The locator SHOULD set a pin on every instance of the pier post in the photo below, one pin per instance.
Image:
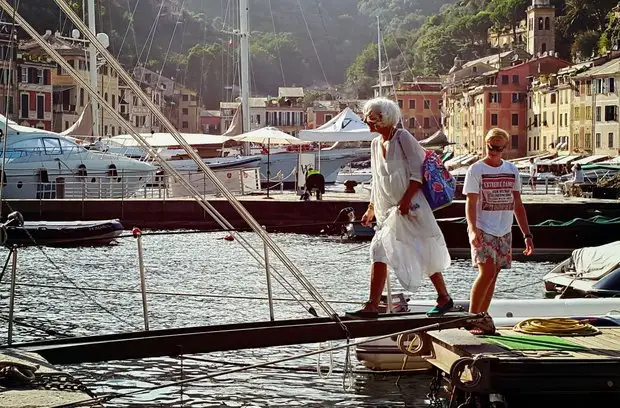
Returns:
(145, 310)
(12, 295)
(269, 295)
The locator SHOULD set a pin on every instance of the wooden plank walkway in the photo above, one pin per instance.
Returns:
(51, 387)
(475, 364)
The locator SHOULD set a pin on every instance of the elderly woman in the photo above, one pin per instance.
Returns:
(396, 162)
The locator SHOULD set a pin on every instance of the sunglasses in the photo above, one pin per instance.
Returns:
(496, 148)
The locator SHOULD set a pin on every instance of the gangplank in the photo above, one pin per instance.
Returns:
(205, 339)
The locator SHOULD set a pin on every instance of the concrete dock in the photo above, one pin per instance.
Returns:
(46, 387)
(284, 212)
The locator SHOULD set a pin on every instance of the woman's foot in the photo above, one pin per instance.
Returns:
(444, 305)
(369, 311)
(483, 326)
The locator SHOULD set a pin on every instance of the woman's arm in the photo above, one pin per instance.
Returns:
(521, 217)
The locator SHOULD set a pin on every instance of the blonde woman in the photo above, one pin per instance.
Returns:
(493, 189)
(396, 163)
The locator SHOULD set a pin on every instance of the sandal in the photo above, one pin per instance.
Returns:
(439, 310)
(363, 313)
(483, 326)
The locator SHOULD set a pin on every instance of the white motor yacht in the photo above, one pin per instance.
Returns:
(41, 164)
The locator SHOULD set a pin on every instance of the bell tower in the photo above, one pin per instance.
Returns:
(540, 27)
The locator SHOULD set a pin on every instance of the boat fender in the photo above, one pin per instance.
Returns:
(136, 232)
(479, 367)
(229, 237)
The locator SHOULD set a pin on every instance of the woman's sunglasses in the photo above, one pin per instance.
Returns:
(496, 148)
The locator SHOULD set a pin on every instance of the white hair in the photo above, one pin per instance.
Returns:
(389, 109)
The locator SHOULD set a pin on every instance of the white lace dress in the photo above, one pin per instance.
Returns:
(413, 245)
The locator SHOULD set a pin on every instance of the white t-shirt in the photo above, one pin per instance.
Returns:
(494, 186)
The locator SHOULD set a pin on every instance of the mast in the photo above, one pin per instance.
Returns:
(379, 49)
(245, 65)
(92, 55)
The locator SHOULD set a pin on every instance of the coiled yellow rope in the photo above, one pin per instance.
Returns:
(556, 327)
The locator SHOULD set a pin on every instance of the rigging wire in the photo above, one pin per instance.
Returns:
(273, 23)
(174, 30)
(312, 41)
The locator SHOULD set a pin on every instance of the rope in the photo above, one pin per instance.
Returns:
(556, 327)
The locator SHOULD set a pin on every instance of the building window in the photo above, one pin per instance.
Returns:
(494, 119)
(24, 107)
(515, 119)
(328, 117)
(541, 23)
(515, 79)
(587, 141)
(185, 124)
(514, 141)
(495, 97)
(185, 111)
(577, 117)
(515, 97)
(547, 24)
(598, 140)
(612, 85)
(543, 47)
(411, 103)
(427, 123)
(505, 79)
(610, 140)
(553, 99)
(427, 104)
(561, 116)
(588, 113)
(105, 130)
(400, 103)
(411, 123)
(611, 113)
(40, 107)
(598, 113)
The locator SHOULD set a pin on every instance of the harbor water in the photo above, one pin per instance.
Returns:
(206, 280)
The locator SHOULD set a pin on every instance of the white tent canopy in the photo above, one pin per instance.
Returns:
(344, 127)
(167, 140)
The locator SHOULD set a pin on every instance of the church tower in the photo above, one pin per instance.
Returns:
(540, 27)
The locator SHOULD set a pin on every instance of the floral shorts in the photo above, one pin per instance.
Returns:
(495, 249)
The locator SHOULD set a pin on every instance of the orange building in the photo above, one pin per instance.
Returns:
(420, 102)
(494, 97)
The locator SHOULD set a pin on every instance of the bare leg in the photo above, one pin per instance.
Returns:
(378, 276)
(489, 295)
(440, 287)
(483, 287)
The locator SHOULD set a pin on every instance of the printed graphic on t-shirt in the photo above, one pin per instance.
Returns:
(497, 192)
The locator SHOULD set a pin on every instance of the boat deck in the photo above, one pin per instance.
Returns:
(517, 364)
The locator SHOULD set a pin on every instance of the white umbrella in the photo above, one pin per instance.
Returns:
(267, 136)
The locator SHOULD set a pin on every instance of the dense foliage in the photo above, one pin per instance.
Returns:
(319, 43)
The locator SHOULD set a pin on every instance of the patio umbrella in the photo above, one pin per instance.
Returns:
(267, 136)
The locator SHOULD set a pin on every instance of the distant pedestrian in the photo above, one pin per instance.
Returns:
(533, 173)
(493, 187)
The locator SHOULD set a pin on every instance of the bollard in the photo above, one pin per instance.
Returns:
(12, 294)
(145, 310)
(269, 295)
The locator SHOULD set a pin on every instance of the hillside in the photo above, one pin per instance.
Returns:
(186, 39)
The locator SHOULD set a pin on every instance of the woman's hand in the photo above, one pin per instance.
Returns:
(529, 246)
(475, 236)
(368, 217)
(404, 204)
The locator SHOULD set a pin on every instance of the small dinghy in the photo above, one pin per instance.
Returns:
(589, 272)
(64, 233)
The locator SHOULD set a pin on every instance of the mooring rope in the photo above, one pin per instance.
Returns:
(556, 327)
(104, 398)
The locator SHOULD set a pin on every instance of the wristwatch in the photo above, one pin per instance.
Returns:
(526, 236)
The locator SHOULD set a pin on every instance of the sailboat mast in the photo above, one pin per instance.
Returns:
(92, 55)
(379, 52)
(245, 63)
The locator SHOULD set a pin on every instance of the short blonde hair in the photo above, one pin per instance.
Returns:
(497, 134)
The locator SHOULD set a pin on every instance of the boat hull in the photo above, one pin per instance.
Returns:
(64, 233)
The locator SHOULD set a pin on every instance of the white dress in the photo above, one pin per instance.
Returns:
(412, 245)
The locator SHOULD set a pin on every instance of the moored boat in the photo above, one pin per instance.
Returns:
(64, 233)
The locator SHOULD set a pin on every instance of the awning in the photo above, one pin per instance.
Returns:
(591, 159)
(457, 159)
(565, 159)
(62, 88)
(615, 160)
